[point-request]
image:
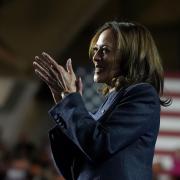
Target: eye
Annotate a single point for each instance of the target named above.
(105, 50)
(95, 49)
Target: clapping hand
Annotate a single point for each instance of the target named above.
(58, 79)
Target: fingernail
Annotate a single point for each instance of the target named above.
(70, 62)
(36, 57)
(43, 53)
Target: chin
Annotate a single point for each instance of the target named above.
(98, 79)
(95, 79)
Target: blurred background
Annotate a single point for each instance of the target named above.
(64, 29)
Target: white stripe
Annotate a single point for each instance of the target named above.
(170, 123)
(172, 85)
(167, 143)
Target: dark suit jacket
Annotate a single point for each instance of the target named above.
(116, 143)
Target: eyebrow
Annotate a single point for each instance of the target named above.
(101, 46)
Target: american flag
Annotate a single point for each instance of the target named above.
(168, 141)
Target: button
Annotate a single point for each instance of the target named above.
(55, 116)
(61, 124)
(103, 111)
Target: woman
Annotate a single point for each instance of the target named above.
(117, 142)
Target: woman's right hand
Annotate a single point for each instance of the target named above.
(56, 77)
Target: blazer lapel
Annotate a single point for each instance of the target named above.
(109, 104)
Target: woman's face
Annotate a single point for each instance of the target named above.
(104, 58)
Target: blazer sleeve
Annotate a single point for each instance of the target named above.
(134, 114)
(64, 152)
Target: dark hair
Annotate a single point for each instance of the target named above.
(137, 54)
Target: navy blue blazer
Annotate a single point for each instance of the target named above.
(116, 143)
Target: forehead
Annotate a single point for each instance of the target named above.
(105, 38)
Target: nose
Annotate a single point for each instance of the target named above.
(97, 55)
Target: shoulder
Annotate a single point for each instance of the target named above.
(141, 88)
(143, 92)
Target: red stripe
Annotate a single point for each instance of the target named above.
(172, 94)
(170, 113)
(172, 74)
(164, 152)
(163, 171)
(169, 133)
